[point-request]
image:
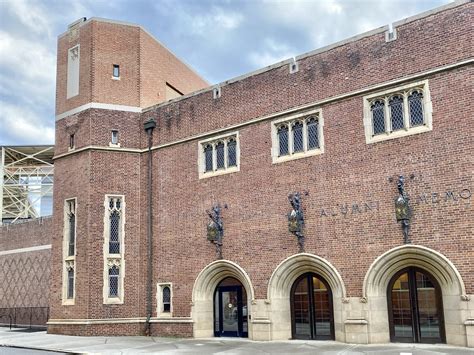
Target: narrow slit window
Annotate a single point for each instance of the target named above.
(71, 141)
(415, 104)
(313, 139)
(70, 283)
(396, 112)
(283, 140)
(208, 158)
(232, 152)
(297, 137)
(220, 155)
(116, 71)
(114, 281)
(166, 299)
(115, 137)
(378, 116)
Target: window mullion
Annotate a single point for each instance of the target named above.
(226, 153)
(290, 138)
(406, 118)
(387, 116)
(214, 157)
(305, 135)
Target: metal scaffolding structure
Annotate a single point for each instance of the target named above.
(26, 182)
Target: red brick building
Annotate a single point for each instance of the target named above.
(338, 126)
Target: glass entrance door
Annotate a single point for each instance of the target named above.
(415, 308)
(230, 310)
(311, 304)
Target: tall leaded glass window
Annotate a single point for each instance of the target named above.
(208, 157)
(378, 116)
(415, 106)
(70, 283)
(283, 140)
(114, 274)
(220, 159)
(312, 128)
(396, 112)
(218, 155)
(297, 137)
(166, 299)
(114, 240)
(232, 152)
(71, 220)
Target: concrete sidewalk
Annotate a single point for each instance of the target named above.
(133, 345)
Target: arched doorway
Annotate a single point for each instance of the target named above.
(415, 307)
(311, 308)
(230, 309)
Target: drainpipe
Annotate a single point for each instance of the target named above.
(149, 125)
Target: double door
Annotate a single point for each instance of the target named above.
(415, 308)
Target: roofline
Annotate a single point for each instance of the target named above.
(316, 51)
(124, 23)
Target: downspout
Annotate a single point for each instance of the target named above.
(149, 125)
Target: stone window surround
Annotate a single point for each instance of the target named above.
(72, 88)
(302, 115)
(68, 261)
(114, 259)
(407, 131)
(111, 144)
(159, 300)
(201, 164)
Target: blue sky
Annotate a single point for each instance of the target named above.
(219, 39)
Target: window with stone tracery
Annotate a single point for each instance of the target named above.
(219, 155)
(297, 136)
(114, 262)
(398, 112)
(164, 300)
(69, 251)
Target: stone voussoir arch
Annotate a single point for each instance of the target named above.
(379, 274)
(203, 294)
(279, 289)
(386, 265)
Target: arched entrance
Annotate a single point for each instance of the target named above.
(281, 288)
(441, 271)
(204, 291)
(230, 309)
(415, 307)
(311, 308)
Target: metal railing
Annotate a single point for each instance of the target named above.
(24, 317)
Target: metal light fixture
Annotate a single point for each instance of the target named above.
(215, 229)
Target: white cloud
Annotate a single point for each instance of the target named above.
(24, 125)
(272, 52)
(28, 71)
(215, 21)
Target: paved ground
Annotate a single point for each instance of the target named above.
(133, 345)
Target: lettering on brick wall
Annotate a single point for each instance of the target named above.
(450, 196)
(349, 209)
(434, 198)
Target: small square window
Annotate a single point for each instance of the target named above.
(114, 137)
(116, 71)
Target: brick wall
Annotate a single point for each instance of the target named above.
(349, 173)
(145, 67)
(25, 275)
